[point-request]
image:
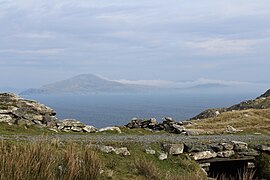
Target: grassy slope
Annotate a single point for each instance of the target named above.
(250, 121)
(125, 168)
(20, 159)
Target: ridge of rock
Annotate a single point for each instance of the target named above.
(266, 94)
(261, 102)
(16, 110)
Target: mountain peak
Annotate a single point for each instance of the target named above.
(266, 94)
(82, 76)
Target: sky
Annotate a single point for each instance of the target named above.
(129, 40)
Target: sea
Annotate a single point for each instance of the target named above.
(102, 110)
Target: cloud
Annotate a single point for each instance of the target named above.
(168, 40)
(182, 84)
(219, 46)
(36, 35)
(159, 83)
(33, 52)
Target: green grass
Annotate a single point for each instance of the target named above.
(6, 129)
(79, 160)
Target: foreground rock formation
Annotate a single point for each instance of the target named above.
(16, 110)
(223, 157)
(168, 124)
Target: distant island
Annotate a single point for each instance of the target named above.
(85, 84)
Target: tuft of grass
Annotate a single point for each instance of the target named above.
(42, 160)
(244, 174)
(32, 161)
(147, 168)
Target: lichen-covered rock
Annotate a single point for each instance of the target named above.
(150, 151)
(232, 130)
(89, 129)
(225, 154)
(106, 149)
(227, 146)
(217, 147)
(196, 147)
(122, 151)
(76, 129)
(74, 125)
(239, 146)
(162, 156)
(204, 155)
(116, 129)
(5, 118)
(173, 149)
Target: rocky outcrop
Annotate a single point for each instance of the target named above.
(16, 110)
(73, 125)
(147, 123)
(168, 124)
(232, 130)
(210, 113)
(123, 151)
(23, 112)
(173, 149)
(204, 155)
(266, 94)
(112, 129)
(261, 102)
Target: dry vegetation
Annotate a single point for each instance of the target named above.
(250, 121)
(42, 160)
(147, 168)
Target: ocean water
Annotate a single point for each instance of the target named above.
(109, 110)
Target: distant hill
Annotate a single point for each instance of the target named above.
(85, 84)
(93, 84)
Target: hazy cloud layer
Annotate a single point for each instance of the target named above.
(43, 41)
